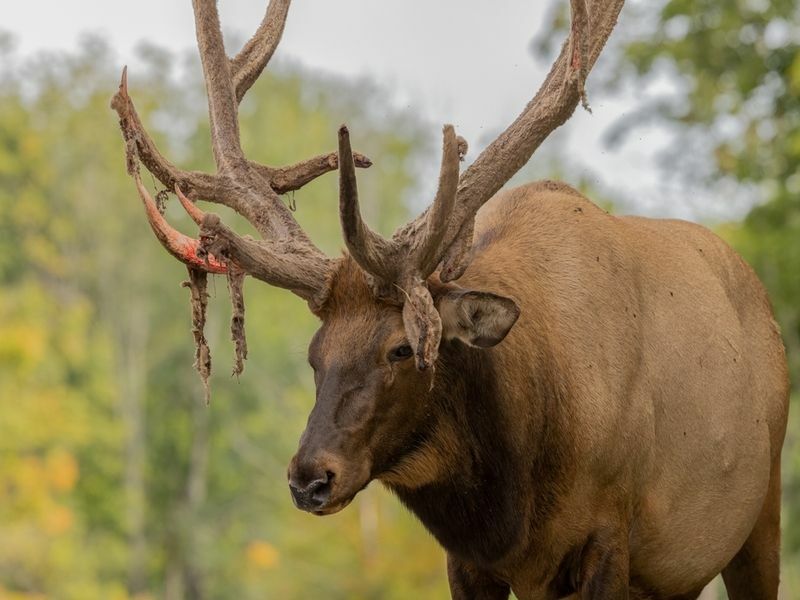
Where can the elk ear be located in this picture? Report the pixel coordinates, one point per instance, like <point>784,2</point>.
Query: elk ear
<point>479,319</point>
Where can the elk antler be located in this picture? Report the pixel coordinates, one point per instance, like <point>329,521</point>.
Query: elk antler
<point>403,263</point>
<point>442,235</point>
<point>286,257</point>
<point>593,22</point>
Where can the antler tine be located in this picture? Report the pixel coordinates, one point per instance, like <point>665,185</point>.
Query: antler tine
<point>222,103</point>
<point>579,47</point>
<point>371,251</point>
<point>293,177</point>
<point>195,213</point>
<point>552,105</point>
<point>227,80</point>
<point>256,53</point>
<point>245,67</point>
<point>182,247</point>
<point>196,183</point>
<point>245,187</point>
<point>457,256</point>
<point>428,255</point>
<point>260,204</point>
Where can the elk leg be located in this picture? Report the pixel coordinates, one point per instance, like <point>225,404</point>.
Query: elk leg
<point>468,582</point>
<point>604,570</point>
<point>754,572</point>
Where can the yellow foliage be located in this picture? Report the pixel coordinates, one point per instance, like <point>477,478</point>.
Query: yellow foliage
<point>57,520</point>
<point>29,481</point>
<point>31,147</point>
<point>62,470</point>
<point>9,595</point>
<point>21,344</point>
<point>261,555</point>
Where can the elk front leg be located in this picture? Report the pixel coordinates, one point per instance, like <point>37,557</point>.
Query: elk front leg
<point>604,567</point>
<point>468,582</point>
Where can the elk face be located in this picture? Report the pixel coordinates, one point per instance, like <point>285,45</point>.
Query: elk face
<point>369,397</point>
<point>373,403</point>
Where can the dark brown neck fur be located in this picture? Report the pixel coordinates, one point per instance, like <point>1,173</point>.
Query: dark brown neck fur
<point>486,470</point>
<point>481,508</point>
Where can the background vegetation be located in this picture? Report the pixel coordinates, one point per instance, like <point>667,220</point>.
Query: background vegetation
<point>115,480</point>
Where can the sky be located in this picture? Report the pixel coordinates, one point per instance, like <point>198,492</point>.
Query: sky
<point>450,61</point>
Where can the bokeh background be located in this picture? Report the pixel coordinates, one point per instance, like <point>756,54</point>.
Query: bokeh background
<point>116,481</point>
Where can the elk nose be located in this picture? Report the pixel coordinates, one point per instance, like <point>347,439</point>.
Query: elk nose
<point>313,495</point>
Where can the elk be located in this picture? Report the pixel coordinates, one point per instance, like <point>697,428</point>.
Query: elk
<point>570,401</point>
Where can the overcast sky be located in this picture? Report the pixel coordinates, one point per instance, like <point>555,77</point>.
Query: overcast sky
<point>463,62</point>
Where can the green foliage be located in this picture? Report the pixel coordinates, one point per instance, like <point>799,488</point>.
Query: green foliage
<point>739,74</point>
<point>59,440</point>
<point>116,481</point>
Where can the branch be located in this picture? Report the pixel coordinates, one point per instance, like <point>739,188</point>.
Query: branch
<point>251,60</point>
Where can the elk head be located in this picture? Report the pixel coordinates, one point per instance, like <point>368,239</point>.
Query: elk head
<point>387,304</point>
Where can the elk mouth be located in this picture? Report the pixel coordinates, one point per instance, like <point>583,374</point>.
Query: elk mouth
<point>340,497</point>
<point>332,509</point>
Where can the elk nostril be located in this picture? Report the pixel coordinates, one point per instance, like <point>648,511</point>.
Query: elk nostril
<point>313,495</point>
<point>319,491</point>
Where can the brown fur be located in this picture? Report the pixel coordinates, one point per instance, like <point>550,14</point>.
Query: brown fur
<point>617,443</point>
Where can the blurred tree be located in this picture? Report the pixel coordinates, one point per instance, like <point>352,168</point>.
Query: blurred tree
<point>60,445</point>
<point>59,448</point>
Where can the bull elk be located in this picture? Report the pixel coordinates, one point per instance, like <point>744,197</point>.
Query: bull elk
<point>570,401</point>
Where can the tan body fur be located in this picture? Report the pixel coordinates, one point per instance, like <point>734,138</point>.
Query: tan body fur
<point>674,378</point>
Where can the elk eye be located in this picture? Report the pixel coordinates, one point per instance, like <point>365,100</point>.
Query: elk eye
<point>400,353</point>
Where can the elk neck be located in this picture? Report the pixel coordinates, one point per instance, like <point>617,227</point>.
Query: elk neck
<point>466,476</point>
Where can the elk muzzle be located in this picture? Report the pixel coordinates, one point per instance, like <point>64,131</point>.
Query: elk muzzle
<point>321,483</point>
